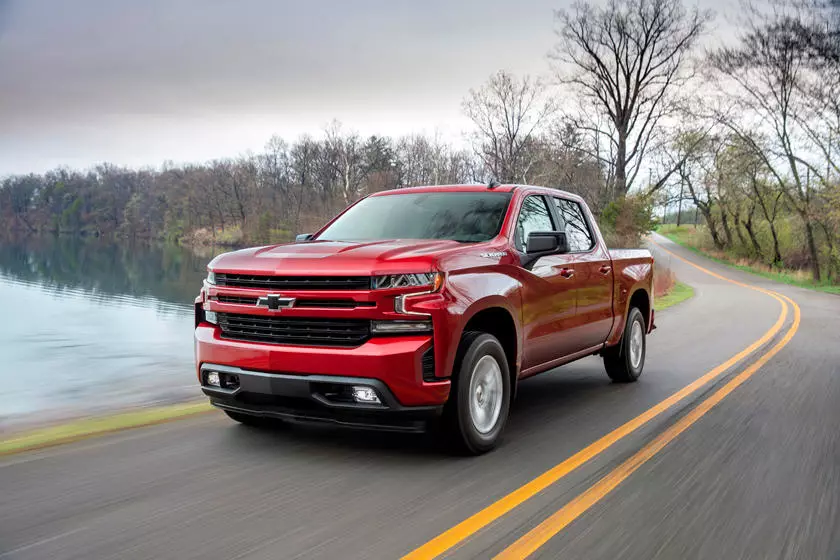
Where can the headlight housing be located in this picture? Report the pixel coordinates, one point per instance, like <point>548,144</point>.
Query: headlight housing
<point>430,280</point>
<point>211,277</point>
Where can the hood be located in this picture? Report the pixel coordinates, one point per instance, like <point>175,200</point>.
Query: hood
<point>345,258</point>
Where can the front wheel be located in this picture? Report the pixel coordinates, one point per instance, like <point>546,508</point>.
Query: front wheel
<point>477,411</point>
<point>625,361</point>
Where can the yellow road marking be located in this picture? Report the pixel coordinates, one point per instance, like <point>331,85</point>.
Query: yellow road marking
<point>476,522</point>
<point>543,532</point>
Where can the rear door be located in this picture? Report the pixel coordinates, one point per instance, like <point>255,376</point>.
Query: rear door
<point>548,309</point>
<point>593,270</point>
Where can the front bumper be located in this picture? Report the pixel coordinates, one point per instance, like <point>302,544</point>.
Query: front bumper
<point>278,380</point>
<point>312,398</point>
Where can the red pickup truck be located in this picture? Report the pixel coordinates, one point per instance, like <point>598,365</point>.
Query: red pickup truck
<point>418,305</point>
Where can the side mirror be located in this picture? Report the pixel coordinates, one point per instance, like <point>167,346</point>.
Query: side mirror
<point>303,237</point>
<point>542,243</point>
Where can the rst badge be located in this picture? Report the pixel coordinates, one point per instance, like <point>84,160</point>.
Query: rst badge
<point>276,302</point>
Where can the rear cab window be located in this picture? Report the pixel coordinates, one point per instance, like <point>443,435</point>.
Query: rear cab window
<point>574,224</point>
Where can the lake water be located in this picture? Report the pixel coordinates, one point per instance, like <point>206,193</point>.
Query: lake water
<point>90,325</point>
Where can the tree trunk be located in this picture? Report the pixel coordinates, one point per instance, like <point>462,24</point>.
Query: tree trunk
<point>831,255</point>
<point>771,219</point>
<point>812,249</point>
<point>736,218</point>
<point>346,183</point>
<point>620,185</point>
<point>724,220</point>
<point>679,205</point>
<point>710,223</point>
<point>777,254</point>
<point>748,225</point>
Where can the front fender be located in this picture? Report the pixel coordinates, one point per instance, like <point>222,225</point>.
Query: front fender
<point>471,293</point>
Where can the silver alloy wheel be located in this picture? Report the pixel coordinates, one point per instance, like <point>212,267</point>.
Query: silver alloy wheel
<point>486,394</point>
<point>637,342</point>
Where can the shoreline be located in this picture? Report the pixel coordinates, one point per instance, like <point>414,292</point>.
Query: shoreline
<point>33,438</point>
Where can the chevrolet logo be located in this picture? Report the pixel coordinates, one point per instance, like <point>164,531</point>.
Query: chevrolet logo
<point>276,302</point>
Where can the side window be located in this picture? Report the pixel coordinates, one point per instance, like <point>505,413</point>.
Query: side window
<point>533,216</point>
<point>574,224</point>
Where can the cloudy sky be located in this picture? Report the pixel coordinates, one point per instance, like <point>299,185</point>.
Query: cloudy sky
<point>138,82</point>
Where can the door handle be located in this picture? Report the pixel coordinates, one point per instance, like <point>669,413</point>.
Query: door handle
<point>605,269</point>
<point>567,272</point>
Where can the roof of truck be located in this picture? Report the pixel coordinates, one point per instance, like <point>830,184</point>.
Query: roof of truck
<point>506,188</point>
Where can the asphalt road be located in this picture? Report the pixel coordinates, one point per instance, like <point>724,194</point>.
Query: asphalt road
<point>757,476</point>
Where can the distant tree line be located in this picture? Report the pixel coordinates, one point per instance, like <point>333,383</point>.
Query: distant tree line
<point>633,115</point>
<point>268,196</point>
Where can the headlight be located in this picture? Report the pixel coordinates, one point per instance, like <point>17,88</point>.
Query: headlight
<point>432,280</point>
<point>211,277</point>
<point>398,327</point>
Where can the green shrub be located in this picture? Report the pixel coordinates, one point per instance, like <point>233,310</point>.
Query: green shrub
<point>625,221</point>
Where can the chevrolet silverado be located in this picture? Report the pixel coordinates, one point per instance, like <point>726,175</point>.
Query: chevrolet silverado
<point>421,307</point>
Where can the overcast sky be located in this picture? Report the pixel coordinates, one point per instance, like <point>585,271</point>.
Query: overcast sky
<point>138,82</point>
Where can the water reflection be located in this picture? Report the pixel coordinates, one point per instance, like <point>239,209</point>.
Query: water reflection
<point>92,325</point>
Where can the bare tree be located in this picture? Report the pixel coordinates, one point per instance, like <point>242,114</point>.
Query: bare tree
<point>773,69</point>
<point>507,113</point>
<point>276,168</point>
<point>627,60</point>
<point>420,160</point>
<point>563,161</point>
<point>347,159</point>
<point>693,153</point>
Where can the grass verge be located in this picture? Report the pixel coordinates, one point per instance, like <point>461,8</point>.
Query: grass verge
<point>100,425</point>
<point>681,236</point>
<point>679,293</point>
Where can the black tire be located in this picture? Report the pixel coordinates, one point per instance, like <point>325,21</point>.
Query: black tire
<point>247,419</point>
<point>458,420</point>
<point>617,359</point>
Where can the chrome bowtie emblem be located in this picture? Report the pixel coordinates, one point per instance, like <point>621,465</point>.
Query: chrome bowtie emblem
<point>275,302</point>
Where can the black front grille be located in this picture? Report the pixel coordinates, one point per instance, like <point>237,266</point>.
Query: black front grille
<point>241,300</point>
<point>308,331</point>
<point>334,303</point>
<point>294,282</point>
<point>308,303</point>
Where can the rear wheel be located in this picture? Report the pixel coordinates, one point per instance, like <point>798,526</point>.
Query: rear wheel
<point>478,406</point>
<point>625,361</point>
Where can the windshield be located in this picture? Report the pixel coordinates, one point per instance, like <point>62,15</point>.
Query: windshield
<point>467,217</point>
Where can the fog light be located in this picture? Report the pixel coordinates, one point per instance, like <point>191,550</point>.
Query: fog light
<point>365,395</point>
<point>210,317</point>
<point>213,379</point>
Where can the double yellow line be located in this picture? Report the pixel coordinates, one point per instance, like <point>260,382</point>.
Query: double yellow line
<point>542,533</point>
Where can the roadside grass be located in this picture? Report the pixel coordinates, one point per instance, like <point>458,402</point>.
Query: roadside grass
<point>692,238</point>
<point>677,294</point>
<point>89,427</point>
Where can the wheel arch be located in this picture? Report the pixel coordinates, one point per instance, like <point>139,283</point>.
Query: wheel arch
<point>640,298</point>
<point>496,317</point>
